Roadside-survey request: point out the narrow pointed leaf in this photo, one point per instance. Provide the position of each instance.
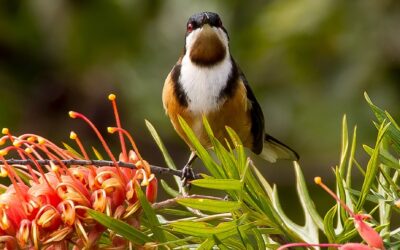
(216, 206)
(120, 227)
(72, 150)
(169, 190)
(219, 184)
(97, 154)
(167, 157)
(150, 215)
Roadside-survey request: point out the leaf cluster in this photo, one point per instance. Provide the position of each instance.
(249, 214)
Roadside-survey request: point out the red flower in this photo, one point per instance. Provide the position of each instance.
(45, 205)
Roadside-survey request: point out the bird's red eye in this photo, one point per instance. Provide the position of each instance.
(219, 23)
(189, 27)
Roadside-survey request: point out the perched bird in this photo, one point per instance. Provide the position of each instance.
(206, 81)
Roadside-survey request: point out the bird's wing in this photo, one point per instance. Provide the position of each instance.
(256, 116)
(268, 147)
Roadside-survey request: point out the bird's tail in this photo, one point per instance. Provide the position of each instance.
(275, 150)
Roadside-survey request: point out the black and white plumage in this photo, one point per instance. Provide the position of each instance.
(207, 81)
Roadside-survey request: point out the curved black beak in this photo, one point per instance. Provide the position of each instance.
(206, 19)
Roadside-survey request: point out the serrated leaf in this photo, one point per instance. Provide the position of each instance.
(216, 206)
(219, 184)
(120, 227)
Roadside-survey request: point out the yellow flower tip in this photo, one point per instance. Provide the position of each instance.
(317, 180)
(29, 150)
(3, 152)
(111, 130)
(111, 97)
(72, 135)
(397, 203)
(2, 141)
(72, 114)
(41, 140)
(54, 167)
(32, 139)
(3, 172)
(5, 131)
(17, 143)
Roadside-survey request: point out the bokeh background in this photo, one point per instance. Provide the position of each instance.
(308, 62)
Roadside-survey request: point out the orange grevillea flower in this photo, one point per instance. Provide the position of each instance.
(366, 232)
(45, 205)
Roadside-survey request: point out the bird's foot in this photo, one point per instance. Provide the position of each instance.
(187, 175)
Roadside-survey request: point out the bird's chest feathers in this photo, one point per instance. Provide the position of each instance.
(203, 85)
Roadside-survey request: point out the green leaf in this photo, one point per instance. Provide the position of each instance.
(219, 184)
(120, 227)
(97, 154)
(72, 150)
(223, 230)
(207, 244)
(372, 167)
(169, 190)
(259, 238)
(150, 215)
(175, 212)
(216, 206)
(202, 153)
(313, 220)
(329, 229)
(203, 229)
(241, 154)
(393, 131)
(167, 157)
(345, 146)
(351, 157)
(384, 156)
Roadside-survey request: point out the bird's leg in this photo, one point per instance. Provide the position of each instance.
(187, 171)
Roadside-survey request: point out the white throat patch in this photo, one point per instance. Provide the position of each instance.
(203, 85)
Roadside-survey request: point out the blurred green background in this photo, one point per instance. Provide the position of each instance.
(308, 62)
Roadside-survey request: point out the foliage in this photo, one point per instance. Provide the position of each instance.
(251, 217)
(247, 213)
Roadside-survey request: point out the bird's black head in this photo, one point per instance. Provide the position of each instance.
(198, 20)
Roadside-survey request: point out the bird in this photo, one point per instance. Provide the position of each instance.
(207, 81)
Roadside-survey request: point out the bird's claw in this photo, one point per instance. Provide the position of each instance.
(187, 175)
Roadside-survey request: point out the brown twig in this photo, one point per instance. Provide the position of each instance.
(98, 163)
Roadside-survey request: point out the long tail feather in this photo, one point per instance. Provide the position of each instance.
(274, 150)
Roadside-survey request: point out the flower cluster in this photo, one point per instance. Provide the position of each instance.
(45, 206)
